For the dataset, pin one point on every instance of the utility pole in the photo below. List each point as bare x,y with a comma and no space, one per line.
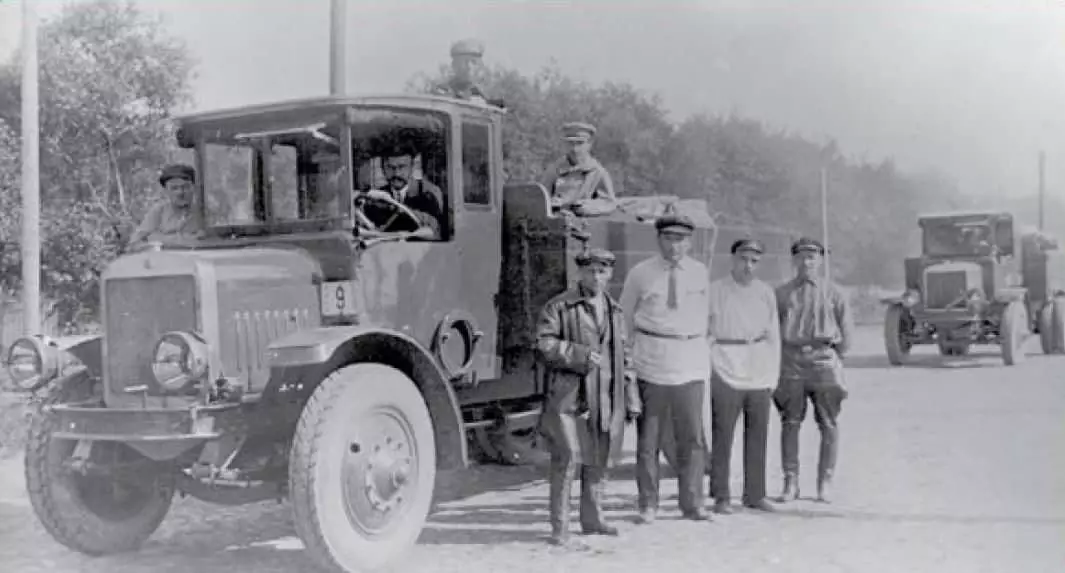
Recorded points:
337,47
31,199
824,223
1042,188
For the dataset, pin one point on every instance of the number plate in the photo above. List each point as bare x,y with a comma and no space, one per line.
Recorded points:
338,298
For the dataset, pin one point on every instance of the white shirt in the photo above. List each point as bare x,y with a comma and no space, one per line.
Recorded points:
644,298
743,312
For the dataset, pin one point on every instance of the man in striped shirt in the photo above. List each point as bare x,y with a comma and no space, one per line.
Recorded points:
745,358
817,329
664,300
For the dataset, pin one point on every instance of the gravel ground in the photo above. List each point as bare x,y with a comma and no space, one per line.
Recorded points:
946,466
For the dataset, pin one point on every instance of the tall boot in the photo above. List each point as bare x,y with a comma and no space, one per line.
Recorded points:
789,453
562,474
826,462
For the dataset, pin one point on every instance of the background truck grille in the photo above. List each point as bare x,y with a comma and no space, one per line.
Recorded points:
944,287
139,311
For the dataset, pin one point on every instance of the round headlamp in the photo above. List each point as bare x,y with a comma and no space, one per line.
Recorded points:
31,363
910,298
179,359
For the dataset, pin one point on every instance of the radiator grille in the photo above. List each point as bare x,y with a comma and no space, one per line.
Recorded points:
944,287
139,311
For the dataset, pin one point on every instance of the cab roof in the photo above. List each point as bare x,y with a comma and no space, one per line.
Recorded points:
963,216
325,104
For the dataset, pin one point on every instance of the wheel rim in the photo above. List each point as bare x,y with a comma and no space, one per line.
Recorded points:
379,472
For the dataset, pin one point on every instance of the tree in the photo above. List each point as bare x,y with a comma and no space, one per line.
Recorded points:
110,80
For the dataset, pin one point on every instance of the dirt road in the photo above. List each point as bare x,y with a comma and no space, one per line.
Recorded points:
946,466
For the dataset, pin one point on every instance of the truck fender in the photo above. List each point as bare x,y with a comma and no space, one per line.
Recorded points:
891,300
1011,295
336,346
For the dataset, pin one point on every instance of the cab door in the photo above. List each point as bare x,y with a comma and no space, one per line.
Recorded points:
477,235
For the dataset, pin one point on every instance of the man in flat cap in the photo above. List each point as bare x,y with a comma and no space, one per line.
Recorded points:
578,183
816,328
176,216
465,56
580,336
665,302
745,364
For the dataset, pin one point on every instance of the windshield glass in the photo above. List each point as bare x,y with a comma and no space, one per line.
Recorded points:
945,238
298,174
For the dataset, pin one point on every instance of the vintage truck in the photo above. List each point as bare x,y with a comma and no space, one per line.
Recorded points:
977,283
294,349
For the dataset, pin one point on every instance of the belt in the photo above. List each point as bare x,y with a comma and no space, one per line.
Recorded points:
668,336
739,341
810,345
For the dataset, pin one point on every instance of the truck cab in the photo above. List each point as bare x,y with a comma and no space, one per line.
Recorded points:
299,346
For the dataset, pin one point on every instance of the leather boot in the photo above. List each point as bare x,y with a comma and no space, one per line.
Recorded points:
790,491
824,487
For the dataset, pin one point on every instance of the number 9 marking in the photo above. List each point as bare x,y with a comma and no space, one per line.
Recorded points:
341,303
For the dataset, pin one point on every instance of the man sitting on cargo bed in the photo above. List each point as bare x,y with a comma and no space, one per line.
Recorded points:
175,216
578,183
419,195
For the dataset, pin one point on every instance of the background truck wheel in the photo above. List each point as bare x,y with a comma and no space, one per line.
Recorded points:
1013,331
362,468
97,514
895,325
1052,326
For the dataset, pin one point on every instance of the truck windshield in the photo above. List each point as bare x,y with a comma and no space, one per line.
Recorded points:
958,238
299,173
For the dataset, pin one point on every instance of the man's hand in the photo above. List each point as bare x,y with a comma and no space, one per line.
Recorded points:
378,195
632,414
595,359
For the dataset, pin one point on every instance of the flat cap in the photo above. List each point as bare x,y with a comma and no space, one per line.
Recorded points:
675,223
807,244
578,131
175,171
747,245
468,47
590,256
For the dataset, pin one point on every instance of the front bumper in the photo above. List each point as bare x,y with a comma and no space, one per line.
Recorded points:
145,425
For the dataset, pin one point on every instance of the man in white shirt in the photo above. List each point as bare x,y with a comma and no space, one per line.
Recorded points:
745,359
665,304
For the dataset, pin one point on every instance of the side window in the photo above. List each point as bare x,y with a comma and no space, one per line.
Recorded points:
476,166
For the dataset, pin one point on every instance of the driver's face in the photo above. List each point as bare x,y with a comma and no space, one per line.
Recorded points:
397,171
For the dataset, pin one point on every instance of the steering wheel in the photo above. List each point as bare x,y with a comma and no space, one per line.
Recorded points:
386,199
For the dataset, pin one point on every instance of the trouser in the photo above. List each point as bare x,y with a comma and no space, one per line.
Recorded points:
680,407
790,399
593,481
727,403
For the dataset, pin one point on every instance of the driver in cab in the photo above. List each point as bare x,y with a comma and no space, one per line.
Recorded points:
421,197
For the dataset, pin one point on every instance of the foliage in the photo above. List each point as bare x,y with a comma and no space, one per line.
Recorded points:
750,175
109,82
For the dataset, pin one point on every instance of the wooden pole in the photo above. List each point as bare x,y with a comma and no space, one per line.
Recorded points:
337,47
1042,189
824,224
31,200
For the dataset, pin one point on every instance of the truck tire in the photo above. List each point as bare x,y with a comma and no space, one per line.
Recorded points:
93,514
1013,331
1052,326
897,348
362,468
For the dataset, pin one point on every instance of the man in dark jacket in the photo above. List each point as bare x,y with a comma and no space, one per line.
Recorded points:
421,197
590,392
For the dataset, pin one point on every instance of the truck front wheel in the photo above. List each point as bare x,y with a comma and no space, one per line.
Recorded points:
1013,331
362,468
97,512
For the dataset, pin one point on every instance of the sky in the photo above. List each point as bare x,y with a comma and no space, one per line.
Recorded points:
973,88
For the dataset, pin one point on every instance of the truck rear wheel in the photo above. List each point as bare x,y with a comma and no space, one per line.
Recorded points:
1013,331
1052,326
362,468
94,513
895,326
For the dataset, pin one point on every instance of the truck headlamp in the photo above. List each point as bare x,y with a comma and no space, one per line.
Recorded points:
32,362
179,359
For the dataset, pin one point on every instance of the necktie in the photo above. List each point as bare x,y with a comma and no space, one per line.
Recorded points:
671,302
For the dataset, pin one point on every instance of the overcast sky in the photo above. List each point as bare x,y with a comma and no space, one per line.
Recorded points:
972,87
